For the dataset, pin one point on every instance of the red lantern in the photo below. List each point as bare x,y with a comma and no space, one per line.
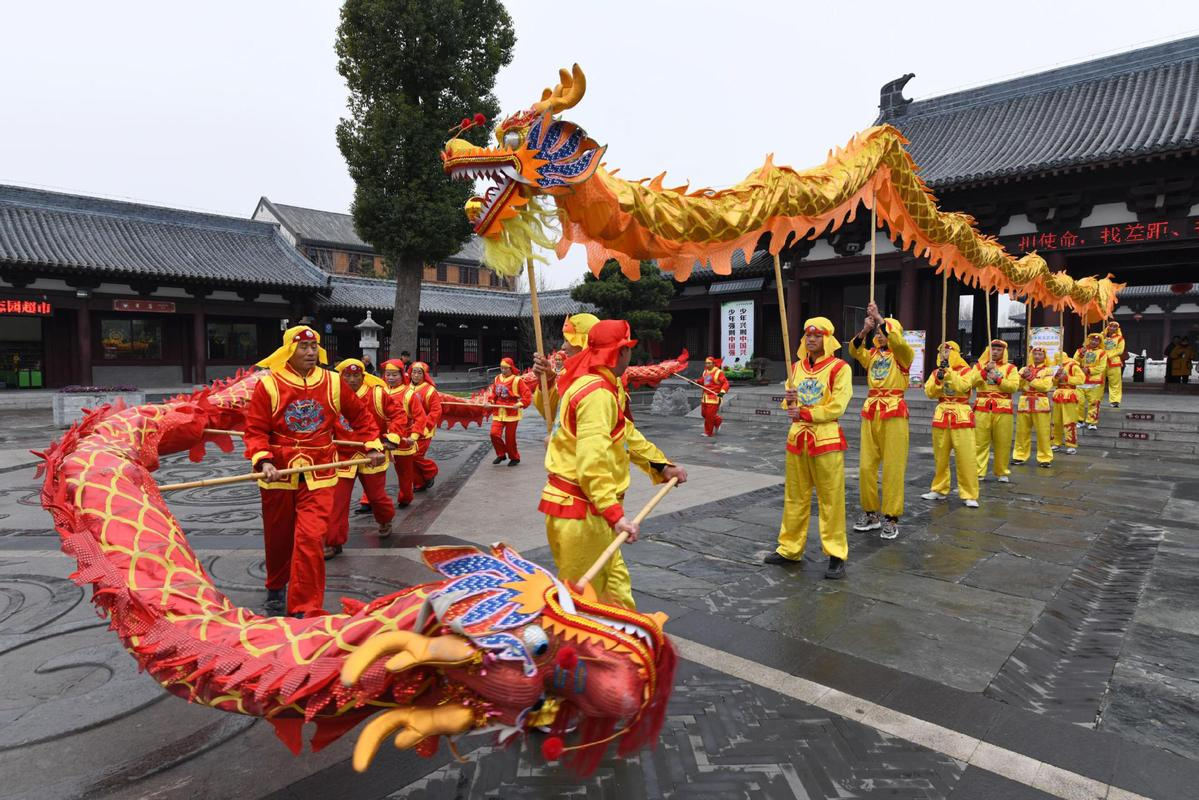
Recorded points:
1138,317
1181,288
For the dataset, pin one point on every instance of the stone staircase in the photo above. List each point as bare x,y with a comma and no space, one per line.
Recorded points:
1140,424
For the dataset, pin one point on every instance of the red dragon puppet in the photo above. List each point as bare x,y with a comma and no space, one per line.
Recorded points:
498,644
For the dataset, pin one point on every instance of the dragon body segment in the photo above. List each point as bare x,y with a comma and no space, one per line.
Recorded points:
539,158
497,644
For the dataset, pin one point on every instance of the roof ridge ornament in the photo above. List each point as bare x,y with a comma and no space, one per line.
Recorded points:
891,102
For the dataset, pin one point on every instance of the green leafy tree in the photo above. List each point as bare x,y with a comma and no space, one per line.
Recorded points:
414,69
643,302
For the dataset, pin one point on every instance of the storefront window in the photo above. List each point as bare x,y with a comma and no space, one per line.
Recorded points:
426,350
139,339
229,341
470,351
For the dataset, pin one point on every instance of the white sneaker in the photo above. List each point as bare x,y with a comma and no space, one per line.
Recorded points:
983,479
890,529
1055,448
1092,427
971,504
869,521
1004,479
934,496
1071,451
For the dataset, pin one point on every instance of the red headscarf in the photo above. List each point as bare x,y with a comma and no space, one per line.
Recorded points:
424,368
716,362
511,364
604,342
396,364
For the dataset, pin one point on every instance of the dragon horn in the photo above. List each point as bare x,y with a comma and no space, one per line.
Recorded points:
566,94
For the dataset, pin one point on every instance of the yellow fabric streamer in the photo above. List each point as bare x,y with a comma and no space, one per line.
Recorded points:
825,326
576,328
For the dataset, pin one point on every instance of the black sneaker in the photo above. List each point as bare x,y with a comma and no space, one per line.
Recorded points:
500,459
1045,464
428,485
363,508
514,462
276,603
836,568
1115,405
776,558
1017,461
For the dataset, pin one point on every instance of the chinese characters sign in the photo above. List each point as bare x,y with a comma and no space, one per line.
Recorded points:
736,331
1049,338
37,308
1115,235
152,306
915,340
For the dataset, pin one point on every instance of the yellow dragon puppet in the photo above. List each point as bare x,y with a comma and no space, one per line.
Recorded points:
539,157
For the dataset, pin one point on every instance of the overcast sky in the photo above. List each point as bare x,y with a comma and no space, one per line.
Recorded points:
210,105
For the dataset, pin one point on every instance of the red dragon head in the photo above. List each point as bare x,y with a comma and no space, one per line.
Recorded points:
534,154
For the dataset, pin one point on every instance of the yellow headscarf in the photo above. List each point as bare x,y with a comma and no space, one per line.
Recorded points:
955,355
367,378
825,326
892,325
291,337
576,327
1063,357
985,358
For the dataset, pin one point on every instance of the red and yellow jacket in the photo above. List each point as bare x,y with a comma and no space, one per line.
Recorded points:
1114,347
291,420
824,390
953,393
430,402
589,454
404,397
1035,391
512,393
995,393
1066,378
886,373
389,418
1093,364
714,380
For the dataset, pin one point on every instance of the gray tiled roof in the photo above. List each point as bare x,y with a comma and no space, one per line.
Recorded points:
1133,104
76,234
1162,290
333,229
360,294
762,263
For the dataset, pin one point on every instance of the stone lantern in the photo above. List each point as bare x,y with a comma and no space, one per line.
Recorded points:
368,338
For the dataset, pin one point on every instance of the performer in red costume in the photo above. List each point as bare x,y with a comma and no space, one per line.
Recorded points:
422,383
289,423
510,391
403,394
391,421
715,384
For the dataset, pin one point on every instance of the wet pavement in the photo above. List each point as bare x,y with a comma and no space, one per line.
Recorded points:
1056,628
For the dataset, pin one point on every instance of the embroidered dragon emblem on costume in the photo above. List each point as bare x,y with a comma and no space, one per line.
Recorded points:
547,173
497,644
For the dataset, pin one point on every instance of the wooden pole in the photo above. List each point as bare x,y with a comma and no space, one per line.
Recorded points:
545,390
472,405
1027,330
611,549
257,476
778,286
700,385
987,300
338,442
872,253
944,304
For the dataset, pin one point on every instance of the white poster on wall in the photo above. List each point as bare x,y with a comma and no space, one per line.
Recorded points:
915,340
736,332
1050,339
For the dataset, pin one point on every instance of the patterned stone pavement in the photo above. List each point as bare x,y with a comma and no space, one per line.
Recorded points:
1058,622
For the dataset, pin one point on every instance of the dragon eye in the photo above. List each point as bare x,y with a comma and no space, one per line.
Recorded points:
536,640
512,140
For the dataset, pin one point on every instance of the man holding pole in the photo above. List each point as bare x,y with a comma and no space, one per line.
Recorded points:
993,422
289,423
575,329
511,394
884,421
953,424
817,395
1036,382
403,394
715,385
1113,345
1093,360
588,461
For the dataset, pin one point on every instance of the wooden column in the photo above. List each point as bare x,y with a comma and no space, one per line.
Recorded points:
907,293
713,329
794,307
200,344
83,319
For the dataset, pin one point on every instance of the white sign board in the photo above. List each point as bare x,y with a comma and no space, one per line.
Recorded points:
736,332
915,340
1050,339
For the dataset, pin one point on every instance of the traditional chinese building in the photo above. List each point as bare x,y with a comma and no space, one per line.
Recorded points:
329,240
1094,165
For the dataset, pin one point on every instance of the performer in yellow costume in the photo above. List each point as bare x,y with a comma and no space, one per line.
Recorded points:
821,390
884,421
588,463
1066,380
574,338
953,424
993,422
1036,382
1113,345
1093,360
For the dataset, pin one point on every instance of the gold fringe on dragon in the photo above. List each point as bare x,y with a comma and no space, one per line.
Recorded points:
539,157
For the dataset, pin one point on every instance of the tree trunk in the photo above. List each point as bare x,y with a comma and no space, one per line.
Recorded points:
404,320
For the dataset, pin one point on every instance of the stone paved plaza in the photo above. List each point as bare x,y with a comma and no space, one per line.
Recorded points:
1042,645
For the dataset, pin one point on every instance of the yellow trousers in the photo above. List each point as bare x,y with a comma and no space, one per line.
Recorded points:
824,474
576,544
1115,384
1065,424
993,431
883,440
1024,428
1090,397
961,442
